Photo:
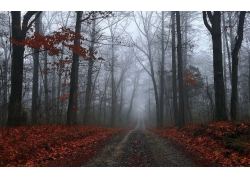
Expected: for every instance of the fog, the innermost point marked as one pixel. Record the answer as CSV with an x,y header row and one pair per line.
x,y
126,74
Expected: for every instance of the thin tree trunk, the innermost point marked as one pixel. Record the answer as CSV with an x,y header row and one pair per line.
x,y
224,57
59,103
5,82
121,103
113,96
235,60
180,73
228,50
89,76
149,104
46,91
135,88
249,82
72,106
53,97
160,123
175,105
185,89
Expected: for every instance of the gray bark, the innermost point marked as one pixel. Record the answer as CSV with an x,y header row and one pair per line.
x,y
215,30
5,82
89,76
180,74
72,111
175,105
19,34
235,60
162,74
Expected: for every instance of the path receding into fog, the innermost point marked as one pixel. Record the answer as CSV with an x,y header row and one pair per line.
x,y
139,147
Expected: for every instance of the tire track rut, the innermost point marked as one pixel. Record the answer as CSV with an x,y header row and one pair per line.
x,y
139,148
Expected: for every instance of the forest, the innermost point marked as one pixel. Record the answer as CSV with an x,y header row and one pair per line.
x,y
98,72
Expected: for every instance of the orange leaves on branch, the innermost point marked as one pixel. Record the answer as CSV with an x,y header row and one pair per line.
x,y
190,78
64,97
50,42
53,43
64,84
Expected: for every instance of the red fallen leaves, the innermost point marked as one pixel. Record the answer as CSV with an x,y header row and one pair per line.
x,y
214,144
51,145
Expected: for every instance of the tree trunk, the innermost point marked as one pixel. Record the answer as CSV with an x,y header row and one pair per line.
x,y
34,107
121,102
235,60
175,105
113,94
228,50
72,106
215,30
5,82
135,89
160,123
180,73
249,83
89,76
185,61
18,34
224,58
53,89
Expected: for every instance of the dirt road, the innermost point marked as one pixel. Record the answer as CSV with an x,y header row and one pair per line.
x,y
139,148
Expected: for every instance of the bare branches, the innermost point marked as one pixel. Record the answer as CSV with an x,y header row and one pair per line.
x,y
205,22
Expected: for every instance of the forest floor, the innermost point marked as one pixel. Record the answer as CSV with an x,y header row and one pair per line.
x,y
213,144
219,144
139,148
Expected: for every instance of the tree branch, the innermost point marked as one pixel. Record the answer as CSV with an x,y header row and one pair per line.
x,y
205,22
239,36
26,19
210,16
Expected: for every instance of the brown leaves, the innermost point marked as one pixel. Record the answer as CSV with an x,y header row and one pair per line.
x,y
190,78
218,144
50,145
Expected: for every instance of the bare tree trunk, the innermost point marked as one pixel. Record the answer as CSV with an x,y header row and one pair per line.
x,y
53,110
134,92
249,82
224,57
59,103
113,96
46,91
215,30
72,106
185,89
175,105
160,123
235,60
180,74
228,50
149,104
19,34
89,76
103,97
5,82
121,102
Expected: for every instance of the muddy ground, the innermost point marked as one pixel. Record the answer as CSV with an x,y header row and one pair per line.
x,y
139,148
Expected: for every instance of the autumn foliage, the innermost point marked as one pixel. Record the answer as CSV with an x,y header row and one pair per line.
x,y
190,78
215,144
51,145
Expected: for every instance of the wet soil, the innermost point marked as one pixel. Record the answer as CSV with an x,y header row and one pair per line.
x,y
139,148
